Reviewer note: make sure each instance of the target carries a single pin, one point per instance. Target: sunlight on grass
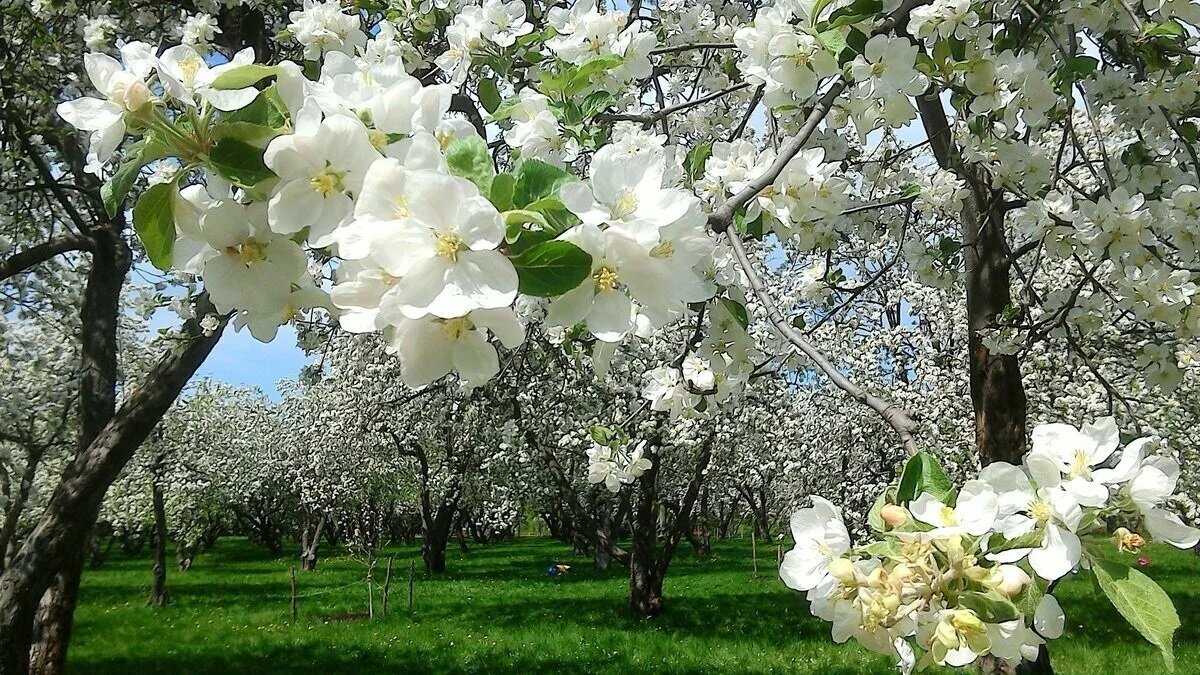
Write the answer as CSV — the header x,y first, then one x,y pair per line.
x,y
497,611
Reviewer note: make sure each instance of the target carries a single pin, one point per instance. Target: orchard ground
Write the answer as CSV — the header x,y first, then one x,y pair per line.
x,y
498,611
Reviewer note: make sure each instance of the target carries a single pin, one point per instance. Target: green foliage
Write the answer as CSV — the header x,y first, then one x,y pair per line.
x,y
501,193
154,222
538,180
923,474
551,268
738,311
489,95
244,76
991,606
239,162
1143,603
468,157
696,158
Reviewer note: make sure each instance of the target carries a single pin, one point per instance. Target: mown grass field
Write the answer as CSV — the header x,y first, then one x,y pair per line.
x,y
497,611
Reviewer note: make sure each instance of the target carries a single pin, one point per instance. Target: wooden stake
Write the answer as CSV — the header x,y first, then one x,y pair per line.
x,y
754,551
779,555
412,571
387,584
293,594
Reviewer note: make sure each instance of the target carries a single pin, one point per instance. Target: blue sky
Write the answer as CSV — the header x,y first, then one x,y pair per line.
x,y
240,359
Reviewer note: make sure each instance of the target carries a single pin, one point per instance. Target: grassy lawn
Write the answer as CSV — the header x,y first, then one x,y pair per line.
x,y
497,611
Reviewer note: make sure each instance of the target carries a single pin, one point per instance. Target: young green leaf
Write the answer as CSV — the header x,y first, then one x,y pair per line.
x,y
923,474
1143,603
489,95
154,222
537,179
468,157
244,76
551,268
501,194
239,162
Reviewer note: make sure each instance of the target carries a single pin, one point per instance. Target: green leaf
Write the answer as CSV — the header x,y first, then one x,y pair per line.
x,y
888,548
489,95
468,157
154,222
1030,597
522,216
249,132
696,159
738,311
241,77
1143,603
557,215
923,474
537,179
501,193
991,606
857,11
239,162
114,189
551,268
833,40
267,110
582,77
595,103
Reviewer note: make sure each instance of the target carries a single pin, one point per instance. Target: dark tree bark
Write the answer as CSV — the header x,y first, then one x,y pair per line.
x,y
16,504
62,531
99,317
648,561
159,596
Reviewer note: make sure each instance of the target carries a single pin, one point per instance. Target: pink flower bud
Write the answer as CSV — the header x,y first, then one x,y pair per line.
x,y
894,515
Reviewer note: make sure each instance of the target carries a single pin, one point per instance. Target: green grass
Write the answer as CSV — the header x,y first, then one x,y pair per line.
x,y
496,611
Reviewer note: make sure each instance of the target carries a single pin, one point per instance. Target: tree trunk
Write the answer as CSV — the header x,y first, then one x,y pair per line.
x,y
62,530
54,619
645,574
433,552
309,548
99,316
997,392
159,596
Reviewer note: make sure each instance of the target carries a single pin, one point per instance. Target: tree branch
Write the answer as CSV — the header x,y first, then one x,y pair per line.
x,y
896,417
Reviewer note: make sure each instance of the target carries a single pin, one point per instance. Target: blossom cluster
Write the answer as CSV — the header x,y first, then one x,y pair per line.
x,y
955,575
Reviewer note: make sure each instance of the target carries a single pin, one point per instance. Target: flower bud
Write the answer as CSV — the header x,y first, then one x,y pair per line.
x,y
894,515
842,570
1013,580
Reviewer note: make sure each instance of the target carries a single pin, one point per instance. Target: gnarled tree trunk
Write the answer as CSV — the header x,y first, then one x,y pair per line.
x,y
159,596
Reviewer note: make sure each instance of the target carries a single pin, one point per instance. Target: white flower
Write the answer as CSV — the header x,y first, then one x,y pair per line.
x,y
1076,452
185,74
324,27
320,166
821,536
1154,483
973,513
437,235
431,347
125,91
619,271
1021,510
628,195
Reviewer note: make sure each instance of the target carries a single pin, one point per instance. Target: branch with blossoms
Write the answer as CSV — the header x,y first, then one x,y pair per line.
x,y
952,575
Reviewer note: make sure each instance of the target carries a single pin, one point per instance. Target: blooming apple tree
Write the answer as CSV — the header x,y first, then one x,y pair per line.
x,y
461,176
